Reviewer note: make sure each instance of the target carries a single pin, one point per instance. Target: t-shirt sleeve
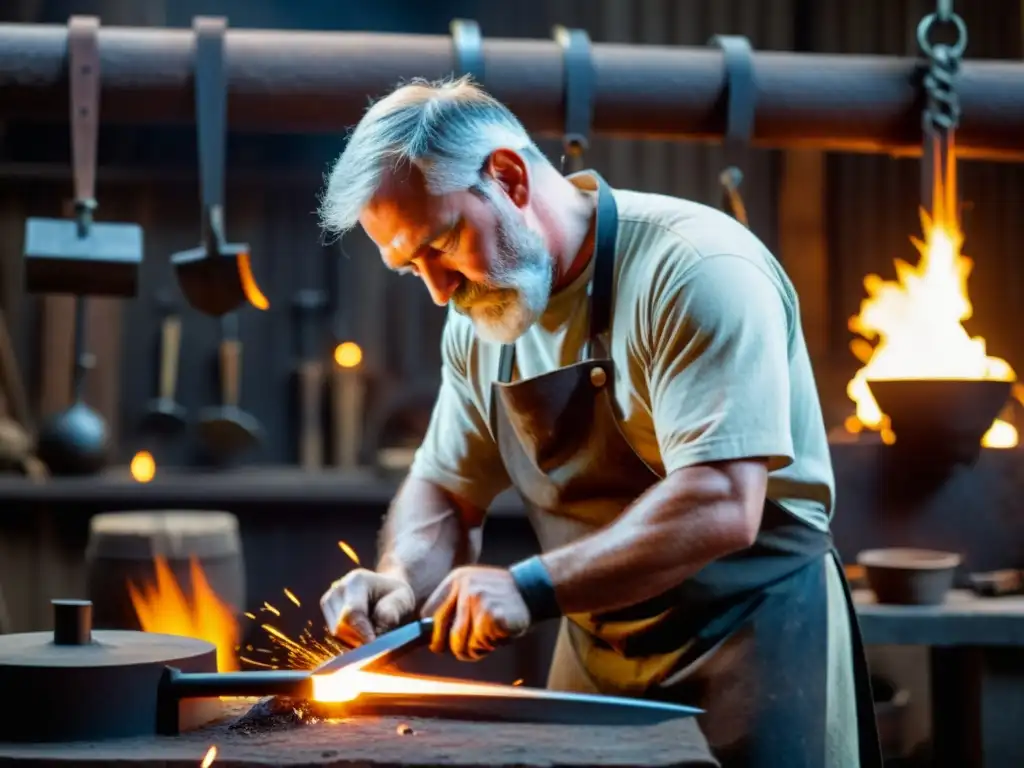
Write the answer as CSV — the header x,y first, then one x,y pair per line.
x,y
458,452
718,364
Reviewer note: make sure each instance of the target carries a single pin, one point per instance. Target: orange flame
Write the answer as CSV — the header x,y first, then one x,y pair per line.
x,y
250,287
916,321
163,607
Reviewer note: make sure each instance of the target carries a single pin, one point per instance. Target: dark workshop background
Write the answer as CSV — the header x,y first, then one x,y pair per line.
x,y
832,219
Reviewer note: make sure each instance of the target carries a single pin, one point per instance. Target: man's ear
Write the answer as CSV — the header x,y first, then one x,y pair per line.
x,y
510,170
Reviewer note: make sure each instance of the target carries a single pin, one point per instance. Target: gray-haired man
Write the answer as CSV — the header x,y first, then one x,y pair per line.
x,y
633,364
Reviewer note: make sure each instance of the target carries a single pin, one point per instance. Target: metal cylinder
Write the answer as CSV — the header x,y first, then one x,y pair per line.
x,y
274,682
72,622
310,82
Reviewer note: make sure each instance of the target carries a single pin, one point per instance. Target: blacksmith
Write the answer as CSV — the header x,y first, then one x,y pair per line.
x,y
634,366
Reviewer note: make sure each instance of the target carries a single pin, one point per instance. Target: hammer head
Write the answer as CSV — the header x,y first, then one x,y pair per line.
x,y
101,260
218,279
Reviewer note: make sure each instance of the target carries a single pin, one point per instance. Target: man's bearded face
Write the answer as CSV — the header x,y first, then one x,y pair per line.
x,y
517,287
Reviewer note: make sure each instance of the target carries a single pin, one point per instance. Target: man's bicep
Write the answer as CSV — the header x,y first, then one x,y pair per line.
x,y
719,366
458,453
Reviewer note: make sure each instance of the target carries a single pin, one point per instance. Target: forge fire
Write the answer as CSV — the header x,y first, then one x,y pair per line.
x,y
912,327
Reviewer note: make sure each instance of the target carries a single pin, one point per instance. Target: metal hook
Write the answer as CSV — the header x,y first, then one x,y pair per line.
x,y
578,75
741,106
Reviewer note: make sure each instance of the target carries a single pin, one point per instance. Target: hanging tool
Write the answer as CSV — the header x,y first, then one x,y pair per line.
x,y
75,441
164,415
226,430
942,109
12,385
348,374
309,306
81,256
578,78
217,276
741,106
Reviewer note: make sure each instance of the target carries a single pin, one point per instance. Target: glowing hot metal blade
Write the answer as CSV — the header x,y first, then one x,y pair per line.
x,y
382,650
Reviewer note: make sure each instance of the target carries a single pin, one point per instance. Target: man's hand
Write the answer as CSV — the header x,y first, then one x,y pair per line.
x,y
364,603
474,609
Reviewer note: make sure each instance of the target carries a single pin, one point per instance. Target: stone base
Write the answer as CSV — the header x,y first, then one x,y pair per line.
x,y
387,742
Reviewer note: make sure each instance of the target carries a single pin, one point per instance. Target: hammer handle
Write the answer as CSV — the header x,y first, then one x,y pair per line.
x,y
311,439
230,370
170,346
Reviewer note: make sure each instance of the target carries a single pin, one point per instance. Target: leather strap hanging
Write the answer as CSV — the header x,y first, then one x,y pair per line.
x,y
84,91
741,106
469,52
211,116
578,75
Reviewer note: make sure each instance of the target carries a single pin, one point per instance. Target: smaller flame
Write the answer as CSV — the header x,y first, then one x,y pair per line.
x,y
163,607
143,467
249,286
348,354
211,755
344,547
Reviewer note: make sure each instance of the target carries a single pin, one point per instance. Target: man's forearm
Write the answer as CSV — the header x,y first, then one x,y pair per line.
x,y
667,535
426,533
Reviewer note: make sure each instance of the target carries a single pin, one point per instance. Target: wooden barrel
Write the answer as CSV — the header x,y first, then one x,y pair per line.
x,y
170,561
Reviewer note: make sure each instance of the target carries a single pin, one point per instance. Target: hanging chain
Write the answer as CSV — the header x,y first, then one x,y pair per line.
x,y
943,109
942,106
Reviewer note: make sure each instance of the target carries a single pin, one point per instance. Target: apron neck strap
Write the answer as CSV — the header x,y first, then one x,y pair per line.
x,y
599,291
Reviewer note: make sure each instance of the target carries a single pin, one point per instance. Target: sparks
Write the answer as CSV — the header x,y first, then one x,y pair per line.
x,y
344,547
291,596
211,755
271,609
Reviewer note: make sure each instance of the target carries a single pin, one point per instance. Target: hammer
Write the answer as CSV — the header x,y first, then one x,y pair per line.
x,y
164,416
226,429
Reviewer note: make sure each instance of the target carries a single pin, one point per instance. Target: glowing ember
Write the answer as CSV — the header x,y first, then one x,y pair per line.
x,y
163,607
348,684
211,755
348,354
142,467
344,547
916,321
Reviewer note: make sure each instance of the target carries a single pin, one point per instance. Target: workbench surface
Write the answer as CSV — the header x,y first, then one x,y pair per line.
x,y
377,743
964,619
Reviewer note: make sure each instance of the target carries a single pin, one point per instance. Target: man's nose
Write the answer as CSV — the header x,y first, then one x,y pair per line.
x,y
441,283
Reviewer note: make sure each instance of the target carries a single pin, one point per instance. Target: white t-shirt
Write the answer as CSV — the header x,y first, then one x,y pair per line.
x,y
710,360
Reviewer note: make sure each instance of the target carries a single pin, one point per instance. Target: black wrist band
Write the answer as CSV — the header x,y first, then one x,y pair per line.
x,y
538,591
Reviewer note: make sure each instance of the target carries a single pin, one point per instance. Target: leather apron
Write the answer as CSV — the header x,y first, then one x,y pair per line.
x,y
746,638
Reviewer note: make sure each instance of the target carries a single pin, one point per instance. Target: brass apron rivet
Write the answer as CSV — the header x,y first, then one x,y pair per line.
x,y
598,377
